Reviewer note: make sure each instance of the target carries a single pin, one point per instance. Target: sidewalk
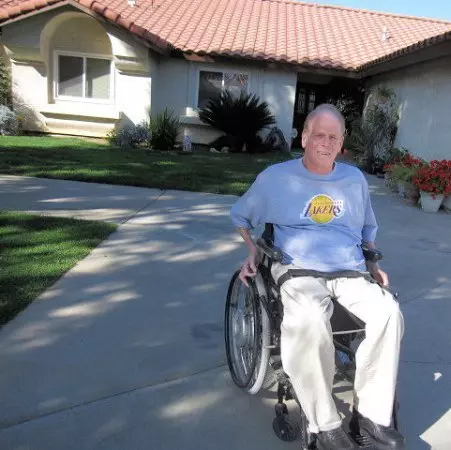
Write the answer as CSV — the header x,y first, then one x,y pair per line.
x,y
126,351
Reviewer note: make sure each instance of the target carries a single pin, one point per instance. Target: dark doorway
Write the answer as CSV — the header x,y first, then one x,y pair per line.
x,y
310,95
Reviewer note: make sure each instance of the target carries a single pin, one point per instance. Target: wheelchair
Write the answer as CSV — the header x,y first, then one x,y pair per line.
x,y
253,316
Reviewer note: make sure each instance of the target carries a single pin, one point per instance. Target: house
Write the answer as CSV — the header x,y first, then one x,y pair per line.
x,y
83,67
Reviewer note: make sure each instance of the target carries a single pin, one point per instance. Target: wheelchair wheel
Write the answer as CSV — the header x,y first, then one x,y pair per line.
x,y
247,336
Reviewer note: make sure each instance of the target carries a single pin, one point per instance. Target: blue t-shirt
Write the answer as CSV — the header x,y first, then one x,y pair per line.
x,y
320,221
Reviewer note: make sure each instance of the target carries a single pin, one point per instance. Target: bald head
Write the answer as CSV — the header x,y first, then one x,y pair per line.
x,y
322,138
325,108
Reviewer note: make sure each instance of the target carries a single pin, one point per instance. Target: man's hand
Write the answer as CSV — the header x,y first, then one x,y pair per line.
x,y
379,275
373,268
249,268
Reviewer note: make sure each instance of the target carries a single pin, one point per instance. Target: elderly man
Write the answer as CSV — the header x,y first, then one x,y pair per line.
x,y
322,214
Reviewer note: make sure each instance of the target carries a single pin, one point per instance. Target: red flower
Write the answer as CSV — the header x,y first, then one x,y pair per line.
x,y
434,178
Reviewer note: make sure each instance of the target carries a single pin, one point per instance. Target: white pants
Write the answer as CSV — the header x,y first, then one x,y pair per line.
x,y
307,349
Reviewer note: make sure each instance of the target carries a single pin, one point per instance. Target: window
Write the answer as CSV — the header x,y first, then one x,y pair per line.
x,y
211,84
83,77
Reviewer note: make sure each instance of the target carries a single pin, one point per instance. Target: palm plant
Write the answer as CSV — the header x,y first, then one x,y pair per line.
x,y
240,119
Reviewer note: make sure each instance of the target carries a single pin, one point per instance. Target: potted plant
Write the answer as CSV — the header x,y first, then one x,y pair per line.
x,y
447,200
411,165
388,175
398,175
447,203
395,157
403,173
434,182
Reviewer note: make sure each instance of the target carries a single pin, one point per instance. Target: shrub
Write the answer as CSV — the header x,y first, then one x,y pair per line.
x,y
240,119
9,125
5,85
111,137
373,134
164,129
130,136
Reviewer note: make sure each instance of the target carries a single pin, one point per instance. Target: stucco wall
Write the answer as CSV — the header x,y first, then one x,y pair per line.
x,y
178,91
21,42
424,95
278,88
31,43
142,80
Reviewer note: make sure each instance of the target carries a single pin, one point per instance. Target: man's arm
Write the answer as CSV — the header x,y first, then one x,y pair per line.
x,y
247,238
248,212
249,267
369,232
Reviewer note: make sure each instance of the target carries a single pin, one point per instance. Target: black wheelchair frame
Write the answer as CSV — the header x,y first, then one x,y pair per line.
x,y
262,337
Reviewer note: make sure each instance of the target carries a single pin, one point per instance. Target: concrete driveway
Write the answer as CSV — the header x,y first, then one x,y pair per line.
x,y
126,350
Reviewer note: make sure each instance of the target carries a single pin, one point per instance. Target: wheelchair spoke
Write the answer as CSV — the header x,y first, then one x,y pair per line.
x,y
244,363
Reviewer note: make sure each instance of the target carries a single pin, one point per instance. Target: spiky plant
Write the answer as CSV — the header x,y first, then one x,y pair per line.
x,y
164,128
240,119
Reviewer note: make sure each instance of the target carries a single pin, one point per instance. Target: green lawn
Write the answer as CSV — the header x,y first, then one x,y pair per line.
x,y
35,251
81,160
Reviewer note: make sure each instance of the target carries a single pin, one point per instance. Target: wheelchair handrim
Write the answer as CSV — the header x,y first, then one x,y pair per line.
x,y
233,353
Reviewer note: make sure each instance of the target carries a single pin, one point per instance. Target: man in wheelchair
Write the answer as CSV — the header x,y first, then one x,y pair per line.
x,y
323,219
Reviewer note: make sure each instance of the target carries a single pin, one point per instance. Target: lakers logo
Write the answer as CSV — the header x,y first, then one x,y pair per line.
x,y
323,209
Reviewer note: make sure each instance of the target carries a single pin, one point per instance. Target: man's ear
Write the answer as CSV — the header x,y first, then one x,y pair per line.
x,y
305,136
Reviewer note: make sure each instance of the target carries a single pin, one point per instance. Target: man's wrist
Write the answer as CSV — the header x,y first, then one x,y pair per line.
x,y
248,240
372,266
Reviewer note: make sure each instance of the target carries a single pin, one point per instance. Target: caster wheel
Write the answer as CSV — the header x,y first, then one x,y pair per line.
x,y
285,430
281,410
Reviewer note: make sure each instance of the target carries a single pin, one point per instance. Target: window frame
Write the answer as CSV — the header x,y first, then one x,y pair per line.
x,y
85,56
222,71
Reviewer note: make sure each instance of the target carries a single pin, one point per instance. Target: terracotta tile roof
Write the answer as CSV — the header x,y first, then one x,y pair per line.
x,y
285,31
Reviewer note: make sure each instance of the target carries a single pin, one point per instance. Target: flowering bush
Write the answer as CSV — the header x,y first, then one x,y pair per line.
x,y
434,178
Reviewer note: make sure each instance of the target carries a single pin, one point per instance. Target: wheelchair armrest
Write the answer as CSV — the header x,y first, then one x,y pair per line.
x,y
270,250
371,254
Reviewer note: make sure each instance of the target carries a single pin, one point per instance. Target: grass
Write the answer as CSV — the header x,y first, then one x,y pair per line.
x,y
36,251
82,160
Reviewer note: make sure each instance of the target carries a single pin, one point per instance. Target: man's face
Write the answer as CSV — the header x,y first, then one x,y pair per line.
x,y
323,139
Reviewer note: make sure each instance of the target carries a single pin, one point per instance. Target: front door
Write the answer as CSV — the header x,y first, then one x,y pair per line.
x,y
307,97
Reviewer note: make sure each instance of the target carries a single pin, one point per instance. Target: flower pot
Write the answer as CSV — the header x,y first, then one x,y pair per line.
x,y
431,203
412,194
447,203
401,189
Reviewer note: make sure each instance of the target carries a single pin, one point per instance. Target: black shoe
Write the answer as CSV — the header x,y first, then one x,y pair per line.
x,y
383,438
336,439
